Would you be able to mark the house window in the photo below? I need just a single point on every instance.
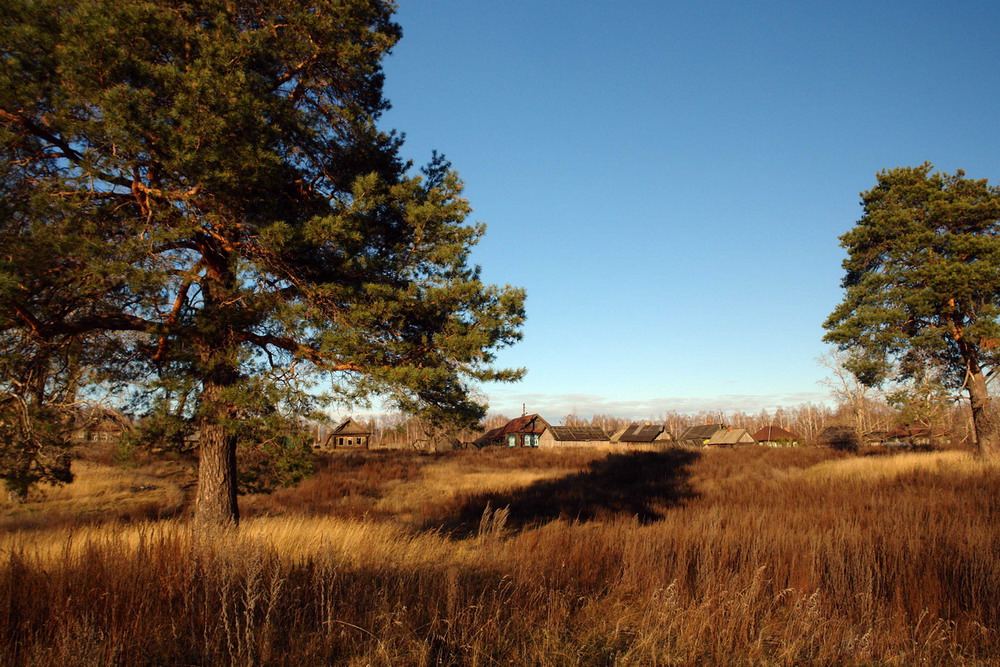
(512, 441)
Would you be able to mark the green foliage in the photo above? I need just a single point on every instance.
(36, 386)
(922, 284)
(273, 460)
(35, 440)
(200, 189)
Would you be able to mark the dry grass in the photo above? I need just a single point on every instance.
(745, 556)
(485, 472)
(99, 493)
(885, 468)
(406, 486)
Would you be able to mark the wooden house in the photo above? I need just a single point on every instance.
(731, 436)
(642, 434)
(716, 435)
(914, 436)
(348, 433)
(100, 425)
(524, 431)
(573, 436)
(775, 436)
(699, 435)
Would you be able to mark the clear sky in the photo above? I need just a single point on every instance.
(668, 179)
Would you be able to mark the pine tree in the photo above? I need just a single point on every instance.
(922, 287)
(202, 186)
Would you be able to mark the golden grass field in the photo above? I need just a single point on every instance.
(577, 557)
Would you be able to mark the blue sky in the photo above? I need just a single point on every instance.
(668, 179)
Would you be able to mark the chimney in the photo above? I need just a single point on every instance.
(524, 410)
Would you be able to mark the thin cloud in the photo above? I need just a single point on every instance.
(556, 406)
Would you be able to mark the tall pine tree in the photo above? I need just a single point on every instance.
(200, 187)
(922, 287)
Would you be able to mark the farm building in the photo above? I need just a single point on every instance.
(710, 435)
(696, 436)
(640, 434)
(524, 431)
(775, 436)
(731, 436)
(572, 436)
(348, 434)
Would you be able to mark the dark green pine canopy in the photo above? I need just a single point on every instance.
(922, 286)
(199, 190)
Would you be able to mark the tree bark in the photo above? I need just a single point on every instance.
(985, 421)
(216, 504)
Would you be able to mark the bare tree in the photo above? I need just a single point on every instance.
(859, 400)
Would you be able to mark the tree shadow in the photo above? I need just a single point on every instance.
(639, 484)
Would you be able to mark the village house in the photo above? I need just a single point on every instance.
(523, 431)
(914, 436)
(100, 425)
(348, 433)
(573, 436)
(642, 434)
(715, 435)
(699, 434)
(775, 436)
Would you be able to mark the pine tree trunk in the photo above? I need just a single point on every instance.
(216, 505)
(984, 418)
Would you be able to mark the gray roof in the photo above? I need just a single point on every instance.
(640, 433)
(701, 431)
(731, 436)
(578, 433)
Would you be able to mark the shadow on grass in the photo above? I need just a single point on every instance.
(639, 484)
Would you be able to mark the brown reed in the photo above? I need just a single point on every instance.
(740, 557)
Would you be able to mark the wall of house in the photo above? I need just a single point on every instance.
(342, 441)
(522, 439)
(546, 440)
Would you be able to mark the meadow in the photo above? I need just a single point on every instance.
(577, 557)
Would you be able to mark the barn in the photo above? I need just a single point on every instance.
(699, 435)
(642, 434)
(573, 436)
(716, 435)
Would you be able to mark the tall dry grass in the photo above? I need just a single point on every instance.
(99, 494)
(746, 556)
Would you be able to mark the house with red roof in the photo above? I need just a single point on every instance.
(524, 431)
(775, 436)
